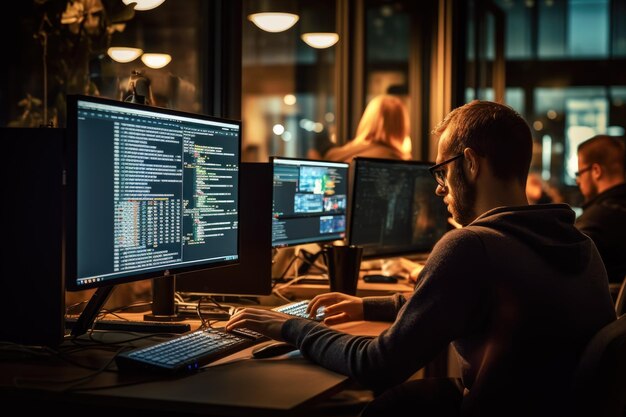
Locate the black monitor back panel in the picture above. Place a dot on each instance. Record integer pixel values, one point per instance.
(32, 293)
(394, 210)
(253, 274)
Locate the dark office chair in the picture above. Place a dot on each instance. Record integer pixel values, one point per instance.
(600, 380)
(620, 300)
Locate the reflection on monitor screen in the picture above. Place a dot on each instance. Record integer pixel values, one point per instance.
(309, 201)
(151, 191)
(395, 210)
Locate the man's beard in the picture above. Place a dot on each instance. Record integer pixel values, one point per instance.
(592, 192)
(462, 207)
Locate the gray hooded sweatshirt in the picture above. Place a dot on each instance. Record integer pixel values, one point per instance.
(518, 293)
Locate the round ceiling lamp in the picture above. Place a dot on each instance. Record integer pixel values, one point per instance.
(320, 40)
(123, 54)
(156, 61)
(142, 5)
(273, 21)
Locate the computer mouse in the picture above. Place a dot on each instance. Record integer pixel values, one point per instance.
(272, 349)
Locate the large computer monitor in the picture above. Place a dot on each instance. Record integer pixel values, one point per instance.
(394, 209)
(151, 192)
(310, 200)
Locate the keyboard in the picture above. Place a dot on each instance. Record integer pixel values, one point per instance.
(298, 309)
(188, 352)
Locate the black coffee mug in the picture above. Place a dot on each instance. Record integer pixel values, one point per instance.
(344, 263)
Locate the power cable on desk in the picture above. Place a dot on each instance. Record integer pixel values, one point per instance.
(128, 307)
(207, 323)
(118, 309)
(17, 381)
(44, 351)
(72, 306)
(304, 259)
(127, 341)
(277, 293)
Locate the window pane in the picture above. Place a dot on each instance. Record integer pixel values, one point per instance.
(78, 60)
(518, 28)
(387, 40)
(552, 29)
(288, 99)
(585, 111)
(386, 48)
(588, 28)
(387, 33)
(618, 16)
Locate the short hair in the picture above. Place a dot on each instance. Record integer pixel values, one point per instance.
(605, 150)
(495, 132)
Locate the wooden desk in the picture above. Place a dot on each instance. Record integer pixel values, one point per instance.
(364, 289)
(233, 386)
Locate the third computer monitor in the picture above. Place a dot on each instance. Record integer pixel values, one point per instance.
(310, 199)
(394, 209)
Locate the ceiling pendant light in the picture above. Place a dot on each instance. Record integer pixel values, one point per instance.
(142, 5)
(320, 40)
(123, 54)
(273, 21)
(156, 61)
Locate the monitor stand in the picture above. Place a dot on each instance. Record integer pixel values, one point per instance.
(91, 310)
(163, 300)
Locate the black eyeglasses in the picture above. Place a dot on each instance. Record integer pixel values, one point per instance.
(582, 171)
(438, 173)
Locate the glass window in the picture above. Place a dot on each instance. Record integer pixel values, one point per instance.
(387, 40)
(75, 37)
(518, 29)
(572, 91)
(288, 97)
(618, 24)
(588, 28)
(387, 32)
(514, 97)
(584, 111)
(551, 22)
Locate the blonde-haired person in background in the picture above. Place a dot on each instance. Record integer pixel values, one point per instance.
(381, 133)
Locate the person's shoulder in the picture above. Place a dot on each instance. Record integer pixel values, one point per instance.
(464, 240)
(338, 154)
(383, 150)
(615, 196)
(456, 253)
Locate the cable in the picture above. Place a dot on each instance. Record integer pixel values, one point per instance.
(18, 382)
(206, 323)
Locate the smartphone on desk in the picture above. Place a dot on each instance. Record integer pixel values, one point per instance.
(381, 279)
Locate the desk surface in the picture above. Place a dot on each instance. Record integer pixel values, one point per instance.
(233, 386)
(364, 289)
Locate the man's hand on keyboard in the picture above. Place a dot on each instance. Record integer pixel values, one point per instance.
(267, 322)
(338, 307)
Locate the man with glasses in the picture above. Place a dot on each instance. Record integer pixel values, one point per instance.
(518, 291)
(600, 178)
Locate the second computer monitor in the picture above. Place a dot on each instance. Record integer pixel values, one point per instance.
(310, 200)
(394, 209)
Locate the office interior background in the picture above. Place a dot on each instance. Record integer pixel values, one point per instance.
(560, 63)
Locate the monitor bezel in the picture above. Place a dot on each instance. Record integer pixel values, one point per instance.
(70, 244)
(353, 192)
(321, 161)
